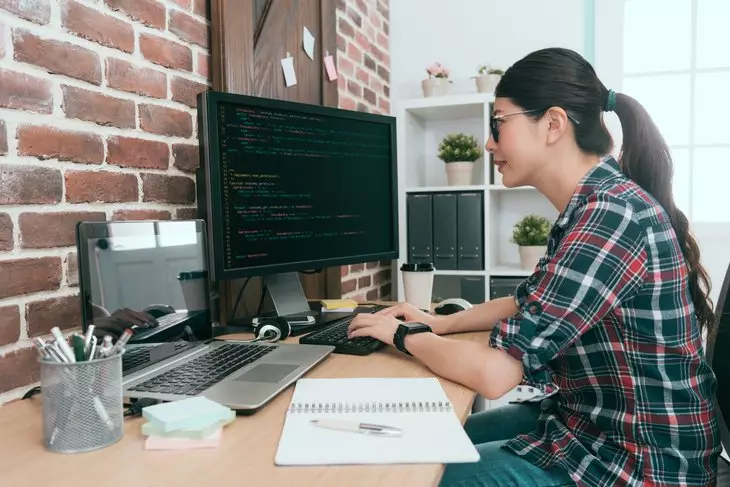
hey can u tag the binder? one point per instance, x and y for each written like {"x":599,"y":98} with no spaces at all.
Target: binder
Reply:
{"x":444,"y":231}
{"x":420,"y":228}
{"x":470,"y":231}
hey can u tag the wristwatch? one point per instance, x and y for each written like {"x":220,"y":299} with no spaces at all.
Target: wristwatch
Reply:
{"x":408,"y":329}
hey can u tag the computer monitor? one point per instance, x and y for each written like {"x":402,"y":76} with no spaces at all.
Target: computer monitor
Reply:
{"x":288,"y":186}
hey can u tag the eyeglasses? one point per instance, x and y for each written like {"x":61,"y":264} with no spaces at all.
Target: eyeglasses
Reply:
{"x":495,"y":119}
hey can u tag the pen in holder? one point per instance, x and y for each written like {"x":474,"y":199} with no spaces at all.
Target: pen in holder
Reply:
{"x":82,"y":403}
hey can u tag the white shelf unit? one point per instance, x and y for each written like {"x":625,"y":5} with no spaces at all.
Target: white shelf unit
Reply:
{"x":422,"y":123}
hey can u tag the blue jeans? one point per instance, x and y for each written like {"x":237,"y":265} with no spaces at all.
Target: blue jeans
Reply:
{"x":489,"y":430}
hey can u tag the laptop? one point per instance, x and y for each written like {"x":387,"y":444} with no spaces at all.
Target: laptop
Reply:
{"x":158,"y":269}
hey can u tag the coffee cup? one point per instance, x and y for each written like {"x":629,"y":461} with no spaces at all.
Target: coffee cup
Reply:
{"x":418,"y":284}
{"x":194,"y":285}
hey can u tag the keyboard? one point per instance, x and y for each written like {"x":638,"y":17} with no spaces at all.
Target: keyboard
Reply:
{"x":193,"y":377}
{"x":336,"y":335}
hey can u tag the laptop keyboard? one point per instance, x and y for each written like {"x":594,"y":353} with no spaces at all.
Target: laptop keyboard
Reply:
{"x":134,"y":357}
{"x":193,"y":377}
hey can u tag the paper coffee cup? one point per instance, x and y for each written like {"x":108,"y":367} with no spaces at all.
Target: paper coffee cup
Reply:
{"x":194,"y":289}
{"x":418,"y":284}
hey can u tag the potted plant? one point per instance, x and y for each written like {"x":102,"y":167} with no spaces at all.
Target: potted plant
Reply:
{"x":437,"y":82}
{"x":459,"y":152}
{"x":488,"y":78}
{"x":531,"y":235}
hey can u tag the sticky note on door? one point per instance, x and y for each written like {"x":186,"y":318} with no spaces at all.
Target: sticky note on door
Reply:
{"x":308,"y":43}
{"x":329,"y":64}
{"x":287,"y":64}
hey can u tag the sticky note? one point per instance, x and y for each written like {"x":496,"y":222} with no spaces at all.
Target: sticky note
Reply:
{"x":308,"y":43}
{"x":290,"y":77}
{"x":329,"y":63}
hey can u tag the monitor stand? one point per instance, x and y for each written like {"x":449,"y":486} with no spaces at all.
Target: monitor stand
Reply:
{"x":288,"y":297}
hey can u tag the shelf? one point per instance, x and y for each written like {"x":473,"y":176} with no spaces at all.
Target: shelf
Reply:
{"x":447,"y":272}
{"x":436,"y":189}
{"x":447,"y":107}
{"x":499,"y":187}
{"x":506,"y":270}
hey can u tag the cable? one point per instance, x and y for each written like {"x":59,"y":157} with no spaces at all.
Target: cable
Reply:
{"x":261,"y":301}
{"x":238,"y":299}
{"x":34,"y":391}
{"x":135,"y":409}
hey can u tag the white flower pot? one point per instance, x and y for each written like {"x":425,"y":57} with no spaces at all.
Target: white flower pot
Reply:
{"x":530,"y":255}
{"x":459,"y":173}
{"x":486,"y":83}
{"x":435,"y":86}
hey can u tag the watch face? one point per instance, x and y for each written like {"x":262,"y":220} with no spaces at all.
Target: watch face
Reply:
{"x":417,"y":327}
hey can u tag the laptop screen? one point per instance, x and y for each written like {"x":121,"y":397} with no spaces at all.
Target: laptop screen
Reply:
{"x":158,"y":268}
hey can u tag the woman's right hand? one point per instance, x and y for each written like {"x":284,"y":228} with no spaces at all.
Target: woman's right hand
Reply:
{"x":409,"y":313}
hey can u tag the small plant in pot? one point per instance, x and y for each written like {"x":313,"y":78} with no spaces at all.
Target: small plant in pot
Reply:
{"x":459,"y":153}
{"x":488,"y":78}
{"x":531,"y":235}
{"x":438,"y":81}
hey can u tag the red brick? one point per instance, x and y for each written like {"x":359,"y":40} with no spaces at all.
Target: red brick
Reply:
{"x":381,"y":276}
{"x":363,"y":76}
{"x":25,"y":276}
{"x":186,"y":214}
{"x":46,"y":142}
{"x":6,"y":233}
{"x":349,"y":286}
{"x":370,"y":63}
{"x":354,"y":88}
{"x":362,"y":41}
{"x":166,"y":53}
{"x":345,"y":27}
{"x":345,"y":66}
{"x":344,"y":270}
{"x":72,"y":269}
{"x":149,"y":12}
{"x":57,"y":57}
{"x":22,"y":91}
{"x":64,"y":312}
{"x":200,"y":7}
{"x":165,"y":121}
{"x":3,"y":138}
{"x":19,"y":368}
{"x":95,"y":107}
{"x":168,"y":189}
{"x":375,"y":19}
{"x":383,"y":41}
{"x":384,"y":73}
{"x":203,"y":67}
{"x":361,"y":6}
{"x":384,"y":10}
{"x":9,"y":325}
{"x":357,"y":268}
{"x":379,"y":55}
{"x":188,"y":28}
{"x":372,"y":265}
{"x":354,"y":53}
{"x":186,"y":91}
{"x":29,"y":185}
{"x":385,"y":292}
{"x":141,"y":215}
{"x":361,"y":107}
{"x":101,"y":186}
{"x":354,"y":16}
{"x":347,"y":103}
{"x":126,"y":76}
{"x":384,"y":105}
{"x":369,"y":96}
{"x":38,"y":11}
{"x":372,"y":295}
{"x":53,"y":229}
{"x":131,"y":152}
{"x":97,"y":27}
{"x":364,"y":282}
{"x":186,"y":157}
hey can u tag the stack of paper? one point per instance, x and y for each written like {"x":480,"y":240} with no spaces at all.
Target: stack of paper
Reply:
{"x":347,"y":305}
{"x":190,"y":423}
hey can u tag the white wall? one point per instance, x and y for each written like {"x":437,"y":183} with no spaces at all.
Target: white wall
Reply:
{"x":462,"y":34}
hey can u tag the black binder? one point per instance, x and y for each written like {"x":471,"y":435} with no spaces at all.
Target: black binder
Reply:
{"x":470,"y":231}
{"x":420,"y":228}
{"x":444,"y":231}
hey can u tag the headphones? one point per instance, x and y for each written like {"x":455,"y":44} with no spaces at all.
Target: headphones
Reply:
{"x":271,"y":330}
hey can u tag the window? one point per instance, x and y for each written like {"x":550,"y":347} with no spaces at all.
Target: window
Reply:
{"x":677,"y":64}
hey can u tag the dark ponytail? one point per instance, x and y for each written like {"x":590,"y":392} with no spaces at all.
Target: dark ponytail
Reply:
{"x":561,"y":77}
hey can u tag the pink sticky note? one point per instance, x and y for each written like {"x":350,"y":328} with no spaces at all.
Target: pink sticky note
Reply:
{"x":329,"y":63}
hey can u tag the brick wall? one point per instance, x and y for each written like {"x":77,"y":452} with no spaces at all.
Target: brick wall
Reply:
{"x":96,"y":122}
{"x":363,"y":62}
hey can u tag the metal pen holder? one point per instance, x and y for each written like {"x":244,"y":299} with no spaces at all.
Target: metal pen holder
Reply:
{"x":82,"y":404}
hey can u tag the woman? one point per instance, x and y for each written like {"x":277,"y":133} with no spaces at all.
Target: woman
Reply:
{"x":608,"y":326}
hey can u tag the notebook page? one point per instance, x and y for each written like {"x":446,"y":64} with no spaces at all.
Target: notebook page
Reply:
{"x":434,"y":436}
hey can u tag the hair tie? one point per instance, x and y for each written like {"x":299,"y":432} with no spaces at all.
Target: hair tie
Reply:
{"x":610,"y":101}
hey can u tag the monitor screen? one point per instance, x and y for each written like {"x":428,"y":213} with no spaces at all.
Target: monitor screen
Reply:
{"x":293,"y":186}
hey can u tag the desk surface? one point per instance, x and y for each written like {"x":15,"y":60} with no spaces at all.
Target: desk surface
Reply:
{"x":245,"y":456}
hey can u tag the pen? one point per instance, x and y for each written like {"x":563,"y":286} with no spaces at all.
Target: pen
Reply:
{"x":78,"y":347}
{"x":87,"y":339}
{"x":62,"y":344}
{"x":357,"y":427}
{"x":92,"y":349}
{"x":121,"y":342}
{"x":56,"y":353}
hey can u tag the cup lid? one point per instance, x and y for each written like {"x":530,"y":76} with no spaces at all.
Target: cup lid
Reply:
{"x":418,"y":267}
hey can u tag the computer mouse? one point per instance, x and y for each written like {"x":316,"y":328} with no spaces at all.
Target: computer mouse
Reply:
{"x":451,"y":306}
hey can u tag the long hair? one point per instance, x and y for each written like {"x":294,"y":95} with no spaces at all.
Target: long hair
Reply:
{"x":561,"y":77}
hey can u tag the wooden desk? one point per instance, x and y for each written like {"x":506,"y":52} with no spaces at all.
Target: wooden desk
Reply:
{"x":244,"y":458}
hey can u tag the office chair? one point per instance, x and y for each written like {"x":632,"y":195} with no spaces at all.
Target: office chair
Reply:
{"x":718,"y":355}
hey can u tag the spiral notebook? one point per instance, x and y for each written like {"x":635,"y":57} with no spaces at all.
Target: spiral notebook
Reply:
{"x":431,"y":431}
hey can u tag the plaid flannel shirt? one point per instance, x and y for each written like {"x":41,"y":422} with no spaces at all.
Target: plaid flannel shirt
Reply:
{"x":607,"y":319}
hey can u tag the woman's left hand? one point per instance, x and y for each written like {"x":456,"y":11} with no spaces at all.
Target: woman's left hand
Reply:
{"x":380,"y":327}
